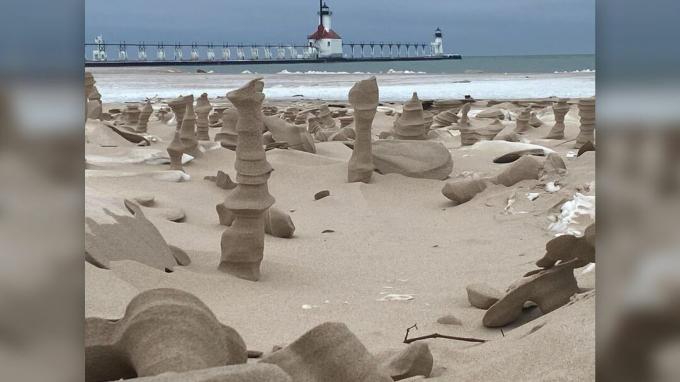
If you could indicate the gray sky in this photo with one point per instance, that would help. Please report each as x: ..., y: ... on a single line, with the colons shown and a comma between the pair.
x: 471, y: 27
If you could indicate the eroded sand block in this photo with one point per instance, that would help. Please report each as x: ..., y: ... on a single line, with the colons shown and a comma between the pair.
x: 482, y: 296
x: 236, y: 373
x: 111, y: 234
x: 534, y: 121
x: 560, y: 110
x: 493, y: 113
x: 462, y: 191
x: 569, y: 247
x: 416, y: 159
x: 549, y: 289
x: 203, y: 108
x: 526, y: 167
x: 470, y: 136
x: 364, y: 99
x: 163, y: 330
x: 227, y: 135
x: 296, y: 136
x: 415, y: 359
x: 278, y: 223
x: 243, y: 242
x: 446, y: 118
x: 329, y: 352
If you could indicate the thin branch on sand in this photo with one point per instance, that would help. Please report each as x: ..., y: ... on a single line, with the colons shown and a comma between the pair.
x: 437, y: 335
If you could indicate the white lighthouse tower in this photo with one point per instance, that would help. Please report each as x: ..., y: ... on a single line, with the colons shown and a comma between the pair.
x: 325, y: 43
x: 438, y: 43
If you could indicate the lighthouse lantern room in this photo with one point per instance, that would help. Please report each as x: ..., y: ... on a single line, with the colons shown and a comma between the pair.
x: 325, y: 42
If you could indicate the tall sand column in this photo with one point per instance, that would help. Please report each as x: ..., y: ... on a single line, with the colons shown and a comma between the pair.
x: 243, y: 242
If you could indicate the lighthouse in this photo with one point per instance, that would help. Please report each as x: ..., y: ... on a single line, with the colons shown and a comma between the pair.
x: 325, y: 42
x: 438, y: 43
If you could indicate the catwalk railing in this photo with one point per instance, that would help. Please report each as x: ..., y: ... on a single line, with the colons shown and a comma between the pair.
x: 195, y: 52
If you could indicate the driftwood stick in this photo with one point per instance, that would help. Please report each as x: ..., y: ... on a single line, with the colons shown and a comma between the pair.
x: 437, y: 335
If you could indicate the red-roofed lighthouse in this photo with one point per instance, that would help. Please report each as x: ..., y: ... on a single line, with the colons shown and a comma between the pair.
x: 325, y: 42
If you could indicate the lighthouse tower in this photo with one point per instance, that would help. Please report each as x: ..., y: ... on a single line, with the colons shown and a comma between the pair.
x: 438, y: 43
x: 325, y: 43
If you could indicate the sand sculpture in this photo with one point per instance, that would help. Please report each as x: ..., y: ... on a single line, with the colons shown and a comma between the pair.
x: 549, y: 289
x: 269, y: 111
x: 464, y: 120
x: 131, y: 114
x: 296, y: 136
x: 164, y: 114
x: 300, y: 118
x: 243, y: 242
x: 178, y: 107
x: 526, y: 167
x: 534, y: 121
x: 327, y: 122
x: 144, y: 116
x: 446, y: 118
x: 416, y: 159
x: 175, y: 151
x: 493, y: 113
x: 346, y: 120
x: 163, y: 330
x: 411, y: 124
x: 187, y: 133
x: 329, y: 352
x: 586, y: 112
x: 440, y: 106
x: 462, y: 191
x: 416, y: 359
x: 482, y: 296
x: 111, y: 234
x: 560, y: 110
x: 469, y: 136
x: 90, y: 107
x: 290, y: 113
x: 227, y: 135
x: 364, y: 99
x: 569, y: 247
x: 203, y: 108
x: 522, y: 122
x: 215, y: 118
x: 276, y: 222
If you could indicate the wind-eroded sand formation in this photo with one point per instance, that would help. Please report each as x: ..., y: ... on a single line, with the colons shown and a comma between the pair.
x: 451, y: 240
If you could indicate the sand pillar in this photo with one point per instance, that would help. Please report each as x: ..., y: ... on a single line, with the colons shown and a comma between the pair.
x: 586, y: 111
x: 560, y: 110
x: 144, y: 117
x: 364, y: 99
x: 187, y: 133
x: 522, y: 123
x: 178, y: 107
x: 243, y: 242
x: 203, y: 108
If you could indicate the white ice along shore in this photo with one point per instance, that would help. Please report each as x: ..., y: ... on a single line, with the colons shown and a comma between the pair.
x: 121, y: 87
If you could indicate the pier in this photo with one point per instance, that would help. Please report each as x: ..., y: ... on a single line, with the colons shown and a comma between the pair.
x: 169, y: 54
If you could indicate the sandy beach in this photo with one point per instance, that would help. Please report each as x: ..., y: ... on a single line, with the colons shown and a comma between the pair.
x: 378, y: 257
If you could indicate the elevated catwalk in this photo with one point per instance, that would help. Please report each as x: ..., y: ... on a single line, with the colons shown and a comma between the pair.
x: 118, y: 63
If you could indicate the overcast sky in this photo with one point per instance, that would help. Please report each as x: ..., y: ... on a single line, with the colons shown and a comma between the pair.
x: 470, y: 27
